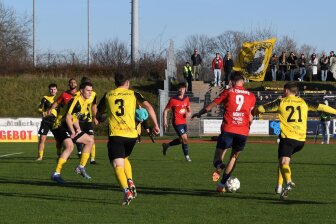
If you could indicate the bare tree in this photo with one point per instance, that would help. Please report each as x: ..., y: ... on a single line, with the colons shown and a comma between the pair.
x: 229, y: 41
x: 286, y: 44
x: 307, y: 50
x: 110, y: 53
x: 15, y: 37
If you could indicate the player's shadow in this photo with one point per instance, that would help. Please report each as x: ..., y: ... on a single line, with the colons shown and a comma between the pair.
x: 294, y: 163
x: 142, y: 190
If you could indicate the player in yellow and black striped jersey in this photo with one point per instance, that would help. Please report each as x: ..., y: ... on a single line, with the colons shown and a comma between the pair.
x: 293, y: 115
x: 86, y: 124
x: 119, y: 105
x: 67, y: 130
x: 47, y: 120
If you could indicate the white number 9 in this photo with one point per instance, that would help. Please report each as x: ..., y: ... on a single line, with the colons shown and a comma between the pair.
x: 239, y: 102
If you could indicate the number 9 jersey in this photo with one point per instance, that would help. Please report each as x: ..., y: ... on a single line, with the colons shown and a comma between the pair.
x: 120, y: 105
x: 238, y: 104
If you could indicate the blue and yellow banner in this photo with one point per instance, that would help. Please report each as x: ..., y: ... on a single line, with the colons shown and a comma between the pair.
x: 253, y: 59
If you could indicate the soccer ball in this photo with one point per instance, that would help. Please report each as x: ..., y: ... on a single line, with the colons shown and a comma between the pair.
x: 141, y: 114
x: 232, y: 184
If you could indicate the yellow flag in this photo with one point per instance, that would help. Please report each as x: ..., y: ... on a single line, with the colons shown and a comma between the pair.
x: 253, y: 59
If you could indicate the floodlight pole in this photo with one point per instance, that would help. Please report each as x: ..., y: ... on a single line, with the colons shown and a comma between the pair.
x: 34, y: 29
x: 88, y: 32
x: 135, y: 32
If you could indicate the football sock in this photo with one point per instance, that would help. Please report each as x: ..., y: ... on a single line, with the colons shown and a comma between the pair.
x: 93, y: 152
x: 225, y: 178
x: 286, y: 173
x: 60, y: 164
x: 185, y: 149
x: 219, y: 164
x: 128, y: 169
x: 40, y: 154
x: 280, y: 179
x: 121, y: 177
x: 84, y: 158
x: 176, y: 141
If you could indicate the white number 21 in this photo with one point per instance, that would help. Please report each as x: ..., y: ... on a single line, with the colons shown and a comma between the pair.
x: 239, y: 101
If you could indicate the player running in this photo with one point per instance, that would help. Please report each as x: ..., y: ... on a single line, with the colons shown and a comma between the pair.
x: 120, y: 105
x: 293, y: 114
x: 238, y: 105
x: 180, y: 107
x: 47, y: 120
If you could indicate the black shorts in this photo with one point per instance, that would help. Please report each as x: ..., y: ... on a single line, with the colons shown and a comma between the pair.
x: 231, y: 140
x: 61, y: 133
x: 45, y: 127
x: 120, y: 147
x: 181, y: 129
x: 287, y: 147
x: 86, y: 127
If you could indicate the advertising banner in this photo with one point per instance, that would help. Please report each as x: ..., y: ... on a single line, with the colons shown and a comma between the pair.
x: 18, y: 134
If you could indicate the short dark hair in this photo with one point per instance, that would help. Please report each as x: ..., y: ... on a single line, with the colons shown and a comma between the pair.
x: 85, y: 84
x: 292, y: 87
x: 236, y: 76
x: 85, y: 79
x: 51, y: 85
x: 120, y: 79
x: 71, y: 80
x: 182, y: 85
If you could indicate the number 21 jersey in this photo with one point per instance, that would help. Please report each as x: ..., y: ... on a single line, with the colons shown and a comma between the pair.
x: 238, y: 103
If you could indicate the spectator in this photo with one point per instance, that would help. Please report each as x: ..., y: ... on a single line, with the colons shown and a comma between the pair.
x: 325, y: 125
x: 313, y: 65
x: 188, y: 75
x: 228, y: 65
x: 217, y: 65
x: 324, y: 63
x: 332, y: 64
x: 283, y: 65
x: 196, y: 62
x: 302, y: 67
x: 274, y: 65
x: 291, y: 60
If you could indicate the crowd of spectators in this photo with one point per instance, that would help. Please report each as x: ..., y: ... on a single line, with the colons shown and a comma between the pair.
x: 295, y: 68
x: 286, y: 67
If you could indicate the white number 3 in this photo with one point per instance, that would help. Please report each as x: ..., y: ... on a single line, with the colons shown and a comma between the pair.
x: 239, y: 101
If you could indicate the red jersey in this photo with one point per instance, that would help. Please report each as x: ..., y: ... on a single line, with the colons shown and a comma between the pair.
x: 179, y: 107
x: 238, y: 103
x: 65, y: 97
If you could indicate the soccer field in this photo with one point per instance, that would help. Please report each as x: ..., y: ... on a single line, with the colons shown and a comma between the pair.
x: 170, y: 190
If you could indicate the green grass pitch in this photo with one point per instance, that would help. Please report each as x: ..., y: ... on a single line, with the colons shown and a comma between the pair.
x: 170, y: 190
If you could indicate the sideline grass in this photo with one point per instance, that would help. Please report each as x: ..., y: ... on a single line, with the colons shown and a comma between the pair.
x: 170, y: 189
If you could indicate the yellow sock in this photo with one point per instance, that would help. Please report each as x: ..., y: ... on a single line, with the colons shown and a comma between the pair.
x: 60, y: 164
x: 280, y: 179
x: 40, y: 154
x: 121, y: 177
x: 93, y: 152
x: 286, y: 173
x: 84, y: 158
x: 128, y: 169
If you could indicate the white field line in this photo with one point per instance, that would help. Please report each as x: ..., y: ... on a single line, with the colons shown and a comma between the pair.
x: 10, y: 154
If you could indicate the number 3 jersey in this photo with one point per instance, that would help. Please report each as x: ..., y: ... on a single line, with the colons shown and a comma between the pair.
x: 293, y: 114
x: 120, y: 105
x: 238, y: 103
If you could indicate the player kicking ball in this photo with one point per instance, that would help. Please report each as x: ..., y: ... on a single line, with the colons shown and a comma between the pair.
x: 238, y: 104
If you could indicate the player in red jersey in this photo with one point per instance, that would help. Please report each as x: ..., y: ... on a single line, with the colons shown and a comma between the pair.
x: 180, y: 106
x: 238, y: 105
